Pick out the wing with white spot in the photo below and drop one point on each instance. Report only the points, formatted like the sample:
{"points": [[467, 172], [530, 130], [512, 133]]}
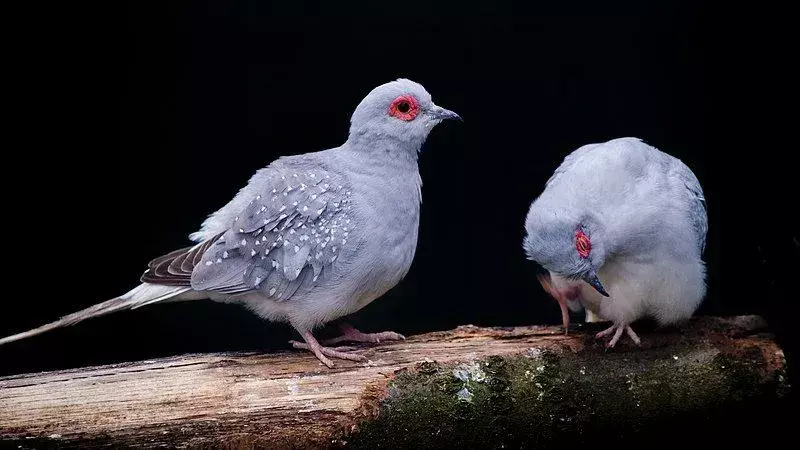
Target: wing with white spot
{"points": [[289, 235]]}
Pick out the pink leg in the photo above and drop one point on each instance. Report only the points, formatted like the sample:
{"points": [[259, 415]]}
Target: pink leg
{"points": [[562, 302], [351, 334], [616, 337], [321, 352], [633, 336], [564, 316], [617, 330], [605, 332]]}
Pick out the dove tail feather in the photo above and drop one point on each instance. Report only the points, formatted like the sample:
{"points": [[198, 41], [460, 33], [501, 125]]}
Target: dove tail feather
{"points": [[144, 294]]}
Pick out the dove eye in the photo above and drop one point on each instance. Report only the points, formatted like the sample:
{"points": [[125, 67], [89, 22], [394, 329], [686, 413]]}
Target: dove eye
{"points": [[404, 107], [583, 244]]}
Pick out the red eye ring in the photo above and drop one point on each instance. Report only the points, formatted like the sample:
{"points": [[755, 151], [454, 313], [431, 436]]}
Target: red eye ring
{"points": [[583, 244], [404, 107]]}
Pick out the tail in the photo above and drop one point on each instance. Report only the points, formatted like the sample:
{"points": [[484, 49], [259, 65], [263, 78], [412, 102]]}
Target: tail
{"points": [[142, 295]]}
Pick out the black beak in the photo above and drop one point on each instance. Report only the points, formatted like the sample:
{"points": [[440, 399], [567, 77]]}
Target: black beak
{"points": [[444, 114], [591, 278]]}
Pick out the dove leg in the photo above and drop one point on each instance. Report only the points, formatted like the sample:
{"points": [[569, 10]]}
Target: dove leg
{"points": [[605, 332], [617, 329], [350, 334], [564, 314], [562, 302], [615, 338], [634, 337], [323, 352], [566, 293]]}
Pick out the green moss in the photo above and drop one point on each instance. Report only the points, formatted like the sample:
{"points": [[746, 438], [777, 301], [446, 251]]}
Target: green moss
{"points": [[537, 401]]}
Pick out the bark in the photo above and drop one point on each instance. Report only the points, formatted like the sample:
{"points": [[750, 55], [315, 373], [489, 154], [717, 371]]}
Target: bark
{"points": [[479, 387]]}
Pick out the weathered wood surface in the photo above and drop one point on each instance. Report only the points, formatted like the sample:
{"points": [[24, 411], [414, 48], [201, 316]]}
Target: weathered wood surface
{"points": [[529, 383]]}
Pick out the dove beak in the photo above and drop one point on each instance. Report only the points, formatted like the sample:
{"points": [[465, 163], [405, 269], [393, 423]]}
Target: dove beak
{"points": [[443, 114], [591, 278]]}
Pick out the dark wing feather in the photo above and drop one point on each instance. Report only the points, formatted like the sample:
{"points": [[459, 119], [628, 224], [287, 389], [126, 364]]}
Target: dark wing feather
{"points": [[175, 268]]}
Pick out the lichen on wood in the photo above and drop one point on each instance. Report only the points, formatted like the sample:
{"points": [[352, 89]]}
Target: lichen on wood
{"points": [[541, 399]]}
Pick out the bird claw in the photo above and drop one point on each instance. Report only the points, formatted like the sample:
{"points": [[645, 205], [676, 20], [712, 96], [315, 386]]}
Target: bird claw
{"points": [[350, 334], [617, 329], [303, 346], [324, 353]]}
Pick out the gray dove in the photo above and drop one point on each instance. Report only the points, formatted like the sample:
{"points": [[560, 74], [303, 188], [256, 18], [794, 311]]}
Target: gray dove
{"points": [[311, 237], [621, 229]]}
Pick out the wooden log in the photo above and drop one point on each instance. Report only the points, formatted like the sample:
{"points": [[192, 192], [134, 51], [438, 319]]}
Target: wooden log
{"points": [[485, 387]]}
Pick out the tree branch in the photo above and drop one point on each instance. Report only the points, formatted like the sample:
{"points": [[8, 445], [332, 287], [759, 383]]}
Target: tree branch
{"points": [[493, 386]]}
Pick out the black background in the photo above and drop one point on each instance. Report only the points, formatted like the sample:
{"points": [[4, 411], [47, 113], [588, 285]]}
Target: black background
{"points": [[133, 122]]}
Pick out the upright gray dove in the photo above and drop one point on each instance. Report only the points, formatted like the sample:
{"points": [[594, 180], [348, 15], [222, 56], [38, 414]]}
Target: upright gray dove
{"points": [[621, 229], [311, 237]]}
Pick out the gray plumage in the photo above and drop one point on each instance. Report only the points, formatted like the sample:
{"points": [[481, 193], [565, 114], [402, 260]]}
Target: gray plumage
{"points": [[642, 215], [311, 237]]}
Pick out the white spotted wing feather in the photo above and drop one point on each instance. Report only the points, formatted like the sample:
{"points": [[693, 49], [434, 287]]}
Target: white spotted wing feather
{"points": [[289, 235]]}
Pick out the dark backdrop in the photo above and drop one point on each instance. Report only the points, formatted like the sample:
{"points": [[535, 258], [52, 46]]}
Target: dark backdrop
{"points": [[132, 123]]}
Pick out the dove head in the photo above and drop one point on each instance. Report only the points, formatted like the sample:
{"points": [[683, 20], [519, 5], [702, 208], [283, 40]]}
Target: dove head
{"points": [[566, 244], [399, 115]]}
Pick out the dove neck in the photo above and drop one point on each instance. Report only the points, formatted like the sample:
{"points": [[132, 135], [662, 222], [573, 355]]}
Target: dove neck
{"points": [[385, 147]]}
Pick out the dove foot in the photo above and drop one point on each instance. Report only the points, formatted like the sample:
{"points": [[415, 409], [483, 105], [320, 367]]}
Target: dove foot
{"points": [[323, 353], [561, 297], [350, 334], [617, 329]]}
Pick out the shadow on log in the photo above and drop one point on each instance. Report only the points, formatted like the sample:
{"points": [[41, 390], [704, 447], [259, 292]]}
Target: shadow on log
{"points": [[469, 387]]}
